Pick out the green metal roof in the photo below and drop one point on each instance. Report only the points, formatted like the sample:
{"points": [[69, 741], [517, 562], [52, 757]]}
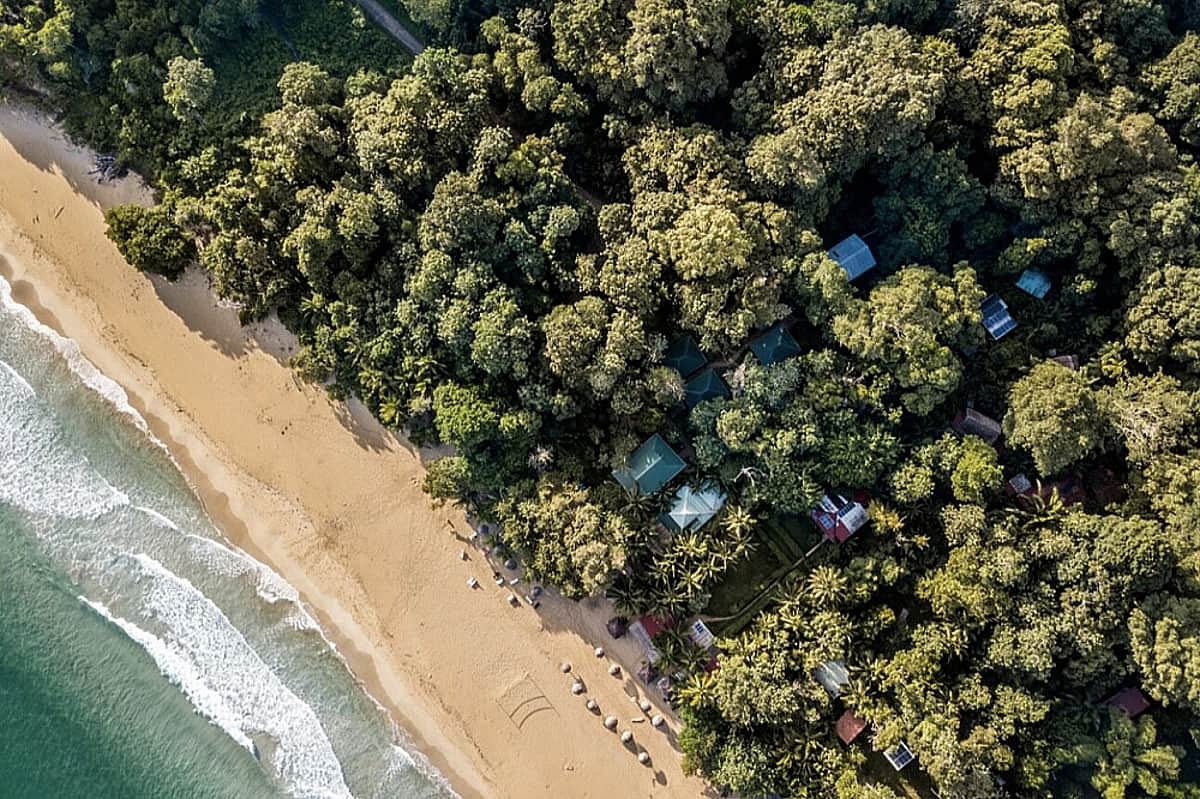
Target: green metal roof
{"points": [[776, 345], [704, 386], [650, 467], [684, 356]]}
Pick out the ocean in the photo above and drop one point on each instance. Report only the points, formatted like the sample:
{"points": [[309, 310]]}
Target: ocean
{"points": [[140, 654]]}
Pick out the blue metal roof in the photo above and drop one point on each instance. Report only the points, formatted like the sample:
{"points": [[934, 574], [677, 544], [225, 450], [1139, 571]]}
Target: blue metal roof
{"points": [[996, 318], [704, 386], [776, 345], [1034, 282], [684, 356], [650, 467], [853, 255]]}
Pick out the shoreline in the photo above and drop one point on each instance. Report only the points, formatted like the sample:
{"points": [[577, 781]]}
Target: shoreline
{"points": [[330, 500]]}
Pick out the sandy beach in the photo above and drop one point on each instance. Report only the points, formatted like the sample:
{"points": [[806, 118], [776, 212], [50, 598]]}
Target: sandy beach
{"points": [[332, 501]]}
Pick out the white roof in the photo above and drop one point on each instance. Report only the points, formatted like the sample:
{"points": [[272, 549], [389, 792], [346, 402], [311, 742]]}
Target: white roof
{"points": [[695, 507]]}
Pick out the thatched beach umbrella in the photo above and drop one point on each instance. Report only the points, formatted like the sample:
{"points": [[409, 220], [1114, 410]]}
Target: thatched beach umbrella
{"points": [[626, 737], [611, 722]]}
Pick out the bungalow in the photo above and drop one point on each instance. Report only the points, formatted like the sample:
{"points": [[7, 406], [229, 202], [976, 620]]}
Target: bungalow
{"points": [[684, 356], [1130, 701], [833, 676], [996, 318], [650, 467], [776, 345], [839, 518], [899, 755], [853, 255], [704, 386], [1019, 486], [693, 508], [1069, 361], [971, 422], [1035, 283], [849, 726]]}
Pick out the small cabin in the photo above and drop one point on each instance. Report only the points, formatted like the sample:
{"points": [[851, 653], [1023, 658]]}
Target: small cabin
{"points": [[899, 756], [776, 345], [996, 318], [854, 255], [1069, 361], [1130, 701], [833, 676], [684, 356], [849, 726], [650, 467], [839, 518], [704, 386], [1019, 486], [1035, 283], [972, 422], [693, 508]]}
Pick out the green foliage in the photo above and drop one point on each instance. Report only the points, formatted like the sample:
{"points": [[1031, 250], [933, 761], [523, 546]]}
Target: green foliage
{"points": [[149, 239], [1054, 413]]}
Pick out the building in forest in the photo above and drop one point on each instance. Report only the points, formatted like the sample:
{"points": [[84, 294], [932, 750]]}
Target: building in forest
{"points": [[833, 676], [1069, 361], [684, 356], [776, 345], [704, 386], [693, 508], [650, 467], [971, 422], [854, 255], [849, 726], [996, 318], [899, 756], [1130, 701], [1035, 283], [839, 518]]}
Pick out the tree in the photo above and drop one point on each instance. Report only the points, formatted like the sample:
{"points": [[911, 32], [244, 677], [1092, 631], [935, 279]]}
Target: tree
{"points": [[1163, 320], [1133, 760], [1054, 413], [188, 88], [1152, 415], [1164, 635], [150, 240]]}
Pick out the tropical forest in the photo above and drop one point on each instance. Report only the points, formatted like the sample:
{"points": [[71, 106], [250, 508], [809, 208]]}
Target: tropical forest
{"points": [[905, 292]]}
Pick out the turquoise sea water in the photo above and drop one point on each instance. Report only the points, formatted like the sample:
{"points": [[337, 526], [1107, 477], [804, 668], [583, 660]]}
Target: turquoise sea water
{"points": [[140, 656]]}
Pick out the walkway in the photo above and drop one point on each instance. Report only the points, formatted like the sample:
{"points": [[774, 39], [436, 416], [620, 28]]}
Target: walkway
{"points": [[392, 25]]}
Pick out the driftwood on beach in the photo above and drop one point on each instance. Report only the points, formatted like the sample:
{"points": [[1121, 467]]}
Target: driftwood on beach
{"points": [[107, 168]]}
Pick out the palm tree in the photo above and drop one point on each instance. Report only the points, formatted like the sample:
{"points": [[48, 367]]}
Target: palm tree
{"points": [[826, 586], [1132, 758], [696, 692]]}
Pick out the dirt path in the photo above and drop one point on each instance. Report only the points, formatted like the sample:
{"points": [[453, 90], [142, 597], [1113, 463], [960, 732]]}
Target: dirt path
{"points": [[393, 26]]}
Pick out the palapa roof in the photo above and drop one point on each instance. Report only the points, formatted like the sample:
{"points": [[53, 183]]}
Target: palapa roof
{"points": [[704, 386], [1034, 282], [776, 345], [853, 255], [694, 507], [684, 356], [650, 467]]}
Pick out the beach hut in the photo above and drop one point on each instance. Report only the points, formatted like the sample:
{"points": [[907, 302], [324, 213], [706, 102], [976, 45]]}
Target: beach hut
{"points": [[776, 345], [839, 518], [1035, 283], [833, 676], [650, 467], [972, 422], [996, 318], [853, 255], [1130, 701], [849, 726], [899, 756], [704, 386], [694, 507], [684, 356]]}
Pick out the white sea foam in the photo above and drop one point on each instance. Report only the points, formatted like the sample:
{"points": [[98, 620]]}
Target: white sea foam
{"points": [[195, 630], [181, 673], [92, 377], [39, 471]]}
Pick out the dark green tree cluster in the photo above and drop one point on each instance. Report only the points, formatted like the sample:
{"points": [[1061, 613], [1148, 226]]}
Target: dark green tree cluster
{"points": [[496, 247]]}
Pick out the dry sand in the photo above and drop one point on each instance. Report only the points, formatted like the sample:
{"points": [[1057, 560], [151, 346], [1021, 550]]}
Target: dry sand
{"points": [[332, 501]]}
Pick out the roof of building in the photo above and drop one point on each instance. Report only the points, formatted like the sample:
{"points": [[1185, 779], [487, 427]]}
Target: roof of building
{"points": [[704, 386], [996, 318], [833, 676], [1131, 701], [1069, 361], [972, 422], [684, 356], [650, 467], [839, 518], [776, 345], [853, 255], [1034, 282], [849, 726], [899, 755], [693, 508]]}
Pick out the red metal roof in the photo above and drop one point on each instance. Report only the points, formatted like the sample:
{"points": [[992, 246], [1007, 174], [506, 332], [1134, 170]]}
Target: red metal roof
{"points": [[1131, 701], [849, 726]]}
